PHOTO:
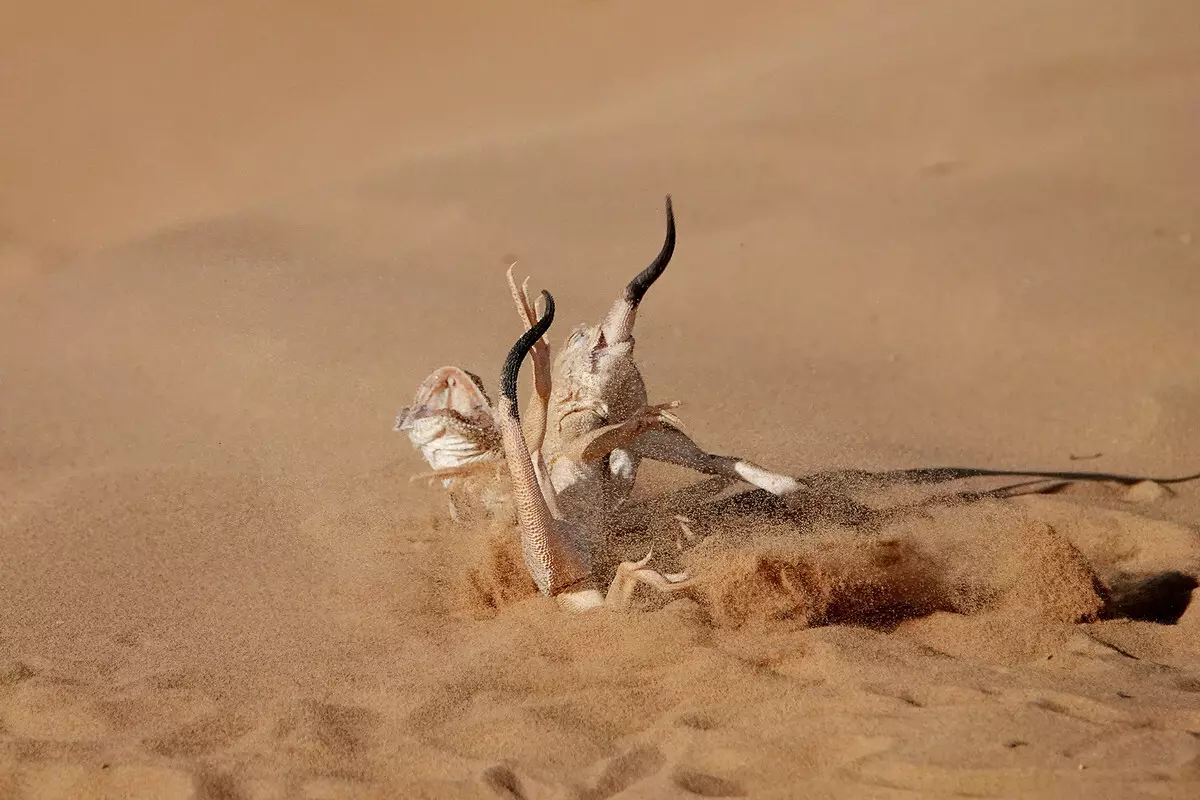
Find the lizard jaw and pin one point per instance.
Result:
(450, 420)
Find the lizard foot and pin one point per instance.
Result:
(658, 415)
(631, 573)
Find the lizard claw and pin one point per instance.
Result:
(671, 577)
(689, 535)
(660, 414)
(655, 417)
(640, 564)
(631, 573)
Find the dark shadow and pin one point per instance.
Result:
(826, 496)
(826, 499)
(824, 505)
(852, 479)
(1160, 598)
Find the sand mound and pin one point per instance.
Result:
(966, 560)
(1006, 558)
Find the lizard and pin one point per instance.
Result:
(598, 427)
(452, 422)
(558, 551)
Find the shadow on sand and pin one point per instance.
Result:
(703, 508)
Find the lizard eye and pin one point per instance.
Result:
(576, 338)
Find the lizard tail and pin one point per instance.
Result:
(512, 364)
(637, 287)
(553, 560)
(618, 326)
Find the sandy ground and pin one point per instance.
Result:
(234, 238)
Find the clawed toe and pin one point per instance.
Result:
(658, 415)
(688, 536)
(637, 565)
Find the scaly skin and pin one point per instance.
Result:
(450, 419)
(591, 425)
(556, 552)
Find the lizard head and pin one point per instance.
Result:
(448, 391)
(450, 419)
(588, 350)
(617, 327)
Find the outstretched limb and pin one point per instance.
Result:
(534, 424)
(673, 446)
(596, 444)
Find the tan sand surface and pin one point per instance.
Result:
(235, 236)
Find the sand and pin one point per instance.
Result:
(234, 238)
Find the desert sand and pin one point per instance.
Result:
(235, 237)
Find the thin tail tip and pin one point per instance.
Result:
(636, 289)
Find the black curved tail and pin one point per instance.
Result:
(638, 286)
(512, 364)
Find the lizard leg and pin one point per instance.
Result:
(447, 474)
(631, 573)
(673, 446)
(534, 424)
(596, 444)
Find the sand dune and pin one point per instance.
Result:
(233, 239)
